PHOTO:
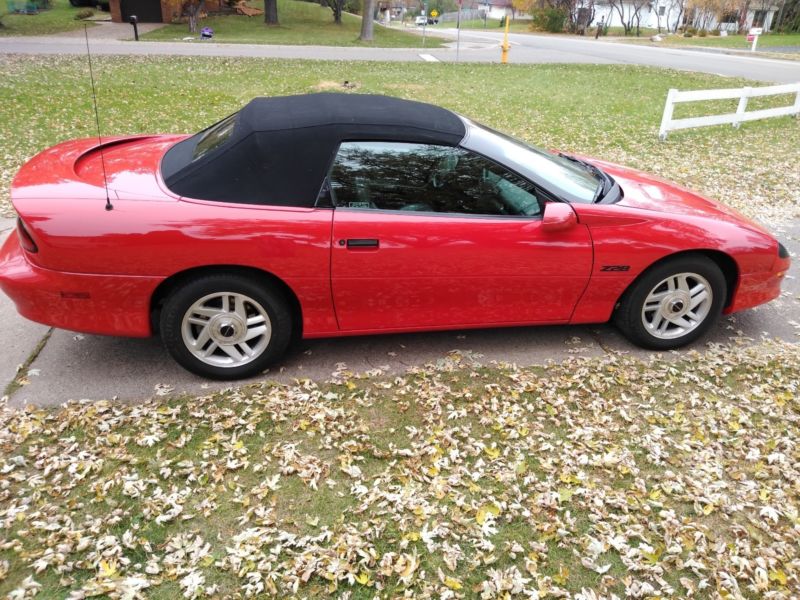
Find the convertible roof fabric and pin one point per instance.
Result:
(280, 149)
(350, 113)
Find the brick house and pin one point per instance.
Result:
(153, 11)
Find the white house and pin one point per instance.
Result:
(670, 14)
(497, 9)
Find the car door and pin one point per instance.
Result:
(432, 236)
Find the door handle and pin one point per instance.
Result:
(362, 243)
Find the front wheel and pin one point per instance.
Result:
(225, 326)
(673, 304)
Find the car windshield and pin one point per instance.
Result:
(567, 179)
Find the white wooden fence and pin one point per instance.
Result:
(743, 94)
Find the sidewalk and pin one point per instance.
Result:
(107, 30)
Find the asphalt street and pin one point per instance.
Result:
(68, 366)
(476, 46)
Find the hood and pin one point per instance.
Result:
(74, 169)
(648, 192)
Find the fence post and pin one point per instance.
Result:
(797, 103)
(667, 117)
(740, 110)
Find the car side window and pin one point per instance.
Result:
(427, 178)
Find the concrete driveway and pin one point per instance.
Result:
(66, 365)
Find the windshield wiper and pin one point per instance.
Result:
(605, 182)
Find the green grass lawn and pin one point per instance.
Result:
(301, 23)
(571, 107)
(61, 17)
(608, 477)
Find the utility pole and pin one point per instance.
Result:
(458, 34)
(425, 25)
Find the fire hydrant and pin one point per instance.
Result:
(505, 46)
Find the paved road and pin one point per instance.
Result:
(477, 46)
(74, 366)
(549, 48)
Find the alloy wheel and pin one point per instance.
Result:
(677, 305)
(226, 329)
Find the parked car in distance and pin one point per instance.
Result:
(329, 215)
(422, 20)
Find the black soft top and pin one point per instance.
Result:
(279, 150)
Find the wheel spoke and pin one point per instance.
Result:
(698, 299)
(656, 321)
(255, 320)
(239, 308)
(202, 337)
(206, 311)
(245, 349)
(662, 329)
(210, 350)
(233, 352)
(655, 298)
(229, 303)
(652, 304)
(682, 282)
(253, 332)
(697, 289)
(682, 322)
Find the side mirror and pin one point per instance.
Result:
(558, 216)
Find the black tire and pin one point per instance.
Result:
(630, 315)
(258, 300)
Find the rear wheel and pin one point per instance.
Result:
(673, 304)
(225, 326)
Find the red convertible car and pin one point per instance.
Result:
(331, 215)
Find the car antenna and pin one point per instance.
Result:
(109, 206)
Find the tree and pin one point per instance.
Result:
(674, 6)
(705, 12)
(629, 12)
(521, 5)
(789, 17)
(581, 15)
(743, 15)
(367, 24)
(271, 12)
(336, 6)
(192, 9)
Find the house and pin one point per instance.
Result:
(672, 14)
(153, 11)
(494, 9)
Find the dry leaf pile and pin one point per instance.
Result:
(594, 478)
